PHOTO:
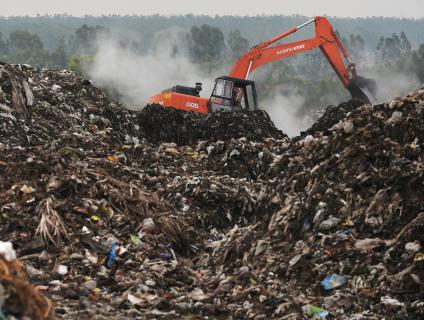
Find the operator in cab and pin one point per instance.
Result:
(237, 97)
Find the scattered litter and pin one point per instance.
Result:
(6, 250)
(62, 269)
(311, 310)
(333, 281)
(111, 255)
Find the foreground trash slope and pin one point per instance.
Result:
(113, 219)
(96, 213)
(341, 221)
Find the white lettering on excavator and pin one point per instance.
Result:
(193, 105)
(301, 46)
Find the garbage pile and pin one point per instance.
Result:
(242, 158)
(340, 235)
(96, 213)
(38, 106)
(185, 128)
(332, 115)
(122, 214)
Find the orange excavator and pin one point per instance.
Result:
(235, 92)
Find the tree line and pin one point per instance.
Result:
(53, 28)
(206, 46)
(211, 48)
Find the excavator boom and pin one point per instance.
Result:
(325, 39)
(235, 92)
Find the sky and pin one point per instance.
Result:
(342, 8)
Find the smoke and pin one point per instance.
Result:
(284, 112)
(391, 83)
(392, 80)
(137, 77)
(285, 109)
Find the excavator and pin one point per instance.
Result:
(235, 92)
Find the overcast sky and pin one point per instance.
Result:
(354, 8)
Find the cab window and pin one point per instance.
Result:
(228, 89)
(219, 88)
(223, 88)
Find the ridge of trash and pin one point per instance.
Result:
(159, 213)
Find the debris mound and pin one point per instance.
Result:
(331, 116)
(87, 201)
(39, 106)
(341, 219)
(166, 214)
(242, 158)
(185, 128)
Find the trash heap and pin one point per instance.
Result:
(342, 215)
(185, 128)
(39, 106)
(161, 214)
(331, 116)
(96, 213)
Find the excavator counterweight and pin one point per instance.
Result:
(235, 92)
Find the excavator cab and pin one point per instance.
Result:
(233, 94)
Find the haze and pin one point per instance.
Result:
(358, 8)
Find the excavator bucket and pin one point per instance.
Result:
(363, 89)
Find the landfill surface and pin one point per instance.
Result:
(109, 213)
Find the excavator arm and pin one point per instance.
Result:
(325, 39)
(235, 92)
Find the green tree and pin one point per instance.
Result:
(4, 50)
(356, 42)
(356, 47)
(237, 43)
(25, 47)
(85, 39)
(418, 62)
(79, 63)
(395, 53)
(206, 45)
(405, 44)
(389, 49)
(59, 57)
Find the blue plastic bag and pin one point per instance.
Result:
(111, 255)
(333, 281)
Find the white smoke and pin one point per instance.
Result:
(284, 112)
(391, 81)
(137, 77)
(391, 84)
